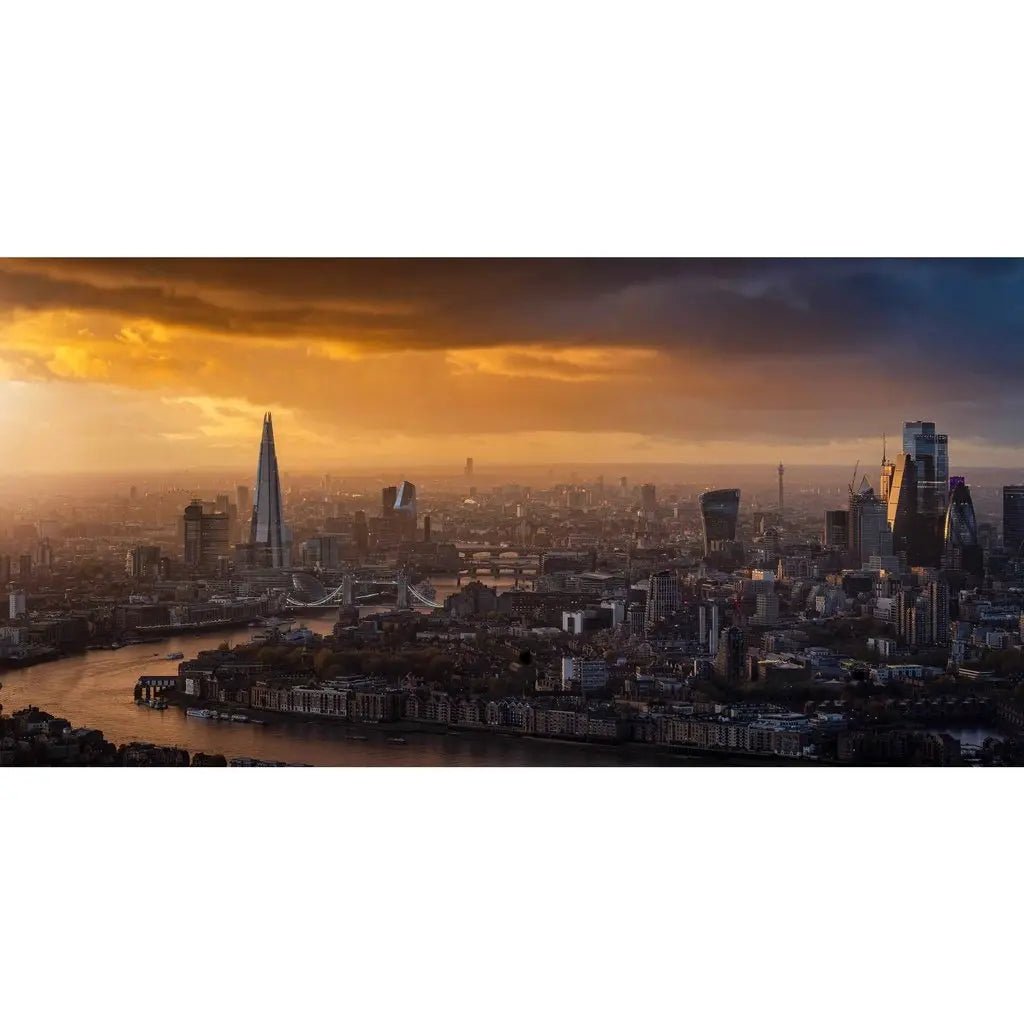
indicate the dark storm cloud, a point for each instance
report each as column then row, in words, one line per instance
column 753, row 307
column 799, row 349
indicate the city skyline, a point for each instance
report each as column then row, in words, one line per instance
column 410, row 363
column 641, row 621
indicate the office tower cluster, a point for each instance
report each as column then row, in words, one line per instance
column 919, row 516
column 210, row 531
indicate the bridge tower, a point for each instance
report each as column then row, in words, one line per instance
column 402, row 600
column 347, row 596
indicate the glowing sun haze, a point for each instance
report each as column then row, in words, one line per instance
column 117, row 364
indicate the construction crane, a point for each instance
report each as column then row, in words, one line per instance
column 853, row 479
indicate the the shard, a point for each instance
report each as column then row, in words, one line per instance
column 268, row 533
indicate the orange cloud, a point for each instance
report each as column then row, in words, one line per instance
column 560, row 363
column 172, row 362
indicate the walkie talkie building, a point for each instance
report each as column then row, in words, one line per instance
column 719, row 512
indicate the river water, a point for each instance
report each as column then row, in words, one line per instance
column 95, row 689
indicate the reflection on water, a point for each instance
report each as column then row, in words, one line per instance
column 95, row 689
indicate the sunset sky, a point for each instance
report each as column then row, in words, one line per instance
column 118, row 364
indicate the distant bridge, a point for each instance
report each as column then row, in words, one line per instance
column 470, row 548
column 496, row 566
column 345, row 595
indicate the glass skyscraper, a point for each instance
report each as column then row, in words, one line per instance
column 962, row 550
column 719, row 512
column 930, row 454
column 902, row 507
column 267, row 532
column 662, row 597
column 405, row 509
column 837, row 528
column 1013, row 521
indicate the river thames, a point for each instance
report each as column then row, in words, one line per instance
column 95, row 689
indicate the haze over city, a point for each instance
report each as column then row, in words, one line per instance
column 371, row 364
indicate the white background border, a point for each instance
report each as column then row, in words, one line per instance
column 391, row 129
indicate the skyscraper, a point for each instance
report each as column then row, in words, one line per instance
column 782, row 503
column 243, row 512
column 405, row 509
column 937, row 597
column 837, row 528
column 142, row 561
column 268, row 533
column 360, row 532
column 874, row 534
column 962, row 551
column 649, row 502
column 207, row 537
column 469, row 467
column 405, row 498
column 729, row 658
column 719, row 511
column 1013, row 520
column 709, row 627
column 868, row 532
column 662, row 596
column 242, row 501
column 929, row 452
column 902, row 508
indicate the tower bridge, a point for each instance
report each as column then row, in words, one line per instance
column 344, row 594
